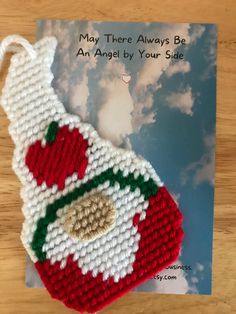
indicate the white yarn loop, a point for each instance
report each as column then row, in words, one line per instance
column 6, row 46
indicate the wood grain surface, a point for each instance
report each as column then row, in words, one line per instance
column 18, row 16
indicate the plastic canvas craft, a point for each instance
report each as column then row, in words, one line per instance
column 98, row 220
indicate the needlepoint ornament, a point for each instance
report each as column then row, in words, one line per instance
column 98, row 219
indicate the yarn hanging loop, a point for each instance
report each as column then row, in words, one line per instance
column 8, row 45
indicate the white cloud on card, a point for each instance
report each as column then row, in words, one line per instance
column 170, row 281
column 176, row 286
column 79, row 97
column 150, row 73
column 114, row 115
column 197, row 31
column 209, row 53
column 72, row 78
column 152, row 69
column 182, row 100
column 133, row 108
column 178, row 67
column 202, row 170
column 199, row 267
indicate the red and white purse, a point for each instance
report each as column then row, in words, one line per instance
column 98, row 220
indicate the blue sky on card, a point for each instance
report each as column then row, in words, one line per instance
column 166, row 113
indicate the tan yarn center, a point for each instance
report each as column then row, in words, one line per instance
column 90, row 218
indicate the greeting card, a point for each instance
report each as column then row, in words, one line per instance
column 150, row 87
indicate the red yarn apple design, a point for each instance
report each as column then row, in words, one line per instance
column 90, row 276
column 63, row 155
column 159, row 246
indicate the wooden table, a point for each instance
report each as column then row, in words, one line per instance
column 17, row 16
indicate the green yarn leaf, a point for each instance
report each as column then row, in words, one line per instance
column 52, row 132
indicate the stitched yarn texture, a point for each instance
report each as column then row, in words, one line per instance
column 90, row 218
column 98, row 219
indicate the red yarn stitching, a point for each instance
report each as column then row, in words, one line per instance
column 136, row 219
column 58, row 160
column 159, row 246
